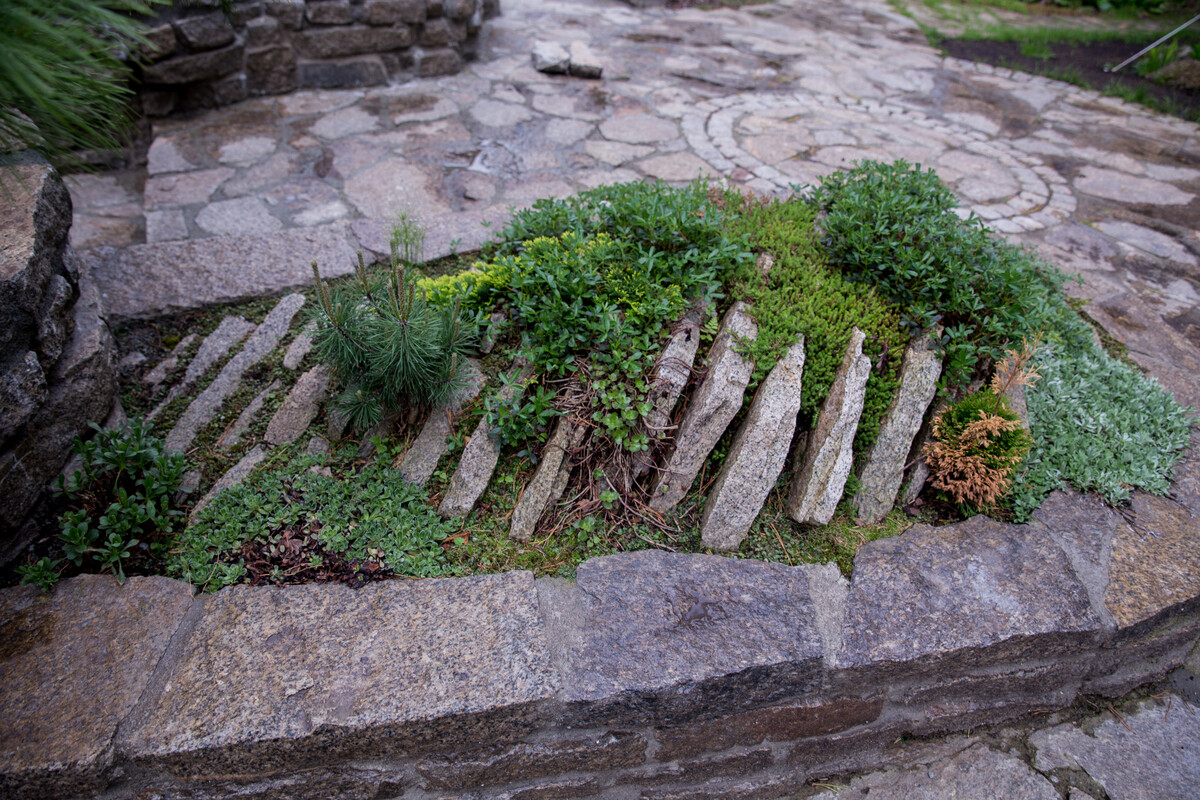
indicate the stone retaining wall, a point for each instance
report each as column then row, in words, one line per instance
column 652, row 675
column 200, row 59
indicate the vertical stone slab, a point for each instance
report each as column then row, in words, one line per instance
column 884, row 472
column 757, row 456
column 825, row 465
column 73, row 664
column 673, row 369
column 300, row 407
column 275, row 679
column 430, row 445
column 478, row 460
column 540, row 489
column 712, row 408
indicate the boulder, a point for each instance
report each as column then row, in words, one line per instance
column 884, row 470
column 712, row 408
column 757, row 456
column 823, row 467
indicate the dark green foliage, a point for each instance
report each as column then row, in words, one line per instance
column 389, row 347
column 802, row 295
column 893, row 226
column 1101, row 426
column 120, row 496
column 42, row 573
column 369, row 515
column 64, row 74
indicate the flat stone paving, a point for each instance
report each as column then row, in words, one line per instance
column 237, row 202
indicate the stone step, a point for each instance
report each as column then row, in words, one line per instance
column 300, row 407
column 541, row 490
column 884, row 470
column 233, row 476
column 163, row 368
column 757, row 456
column 264, row 339
column 825, row 464
column 712, row 408
column 430, row 445
column 479, row 458
column 233, row 433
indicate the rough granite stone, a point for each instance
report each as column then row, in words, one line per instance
column 757, row 455
column 329, row 12
column 389, row 12
column 233, row 476
column 351, row 41
column 317, row 674
column 154, row 279
column 585, row 63
column 884, row 472
column 980, row 586
column 299, row 347
column 204, row 31
column 550, row 57
column 499, row 765
column 672, row 371
column 1149, row 754
column 230, row 332
column 198, row 67
column 300, row 407
column 233, row 434
column 479, row 457
column 1083, row 525
column 264, row 339
column 825, row 463
column 710, row 410
column 73, row 663
column 427, row 449
column 659, row 636
column 978, row 773
column 539, row 493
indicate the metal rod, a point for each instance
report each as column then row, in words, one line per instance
column 1145, row 50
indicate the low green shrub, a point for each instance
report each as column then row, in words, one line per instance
column 893, row 226
column 1157, row 58
column 388, row 346
column 976, row 447
column 802, row 295
column 372, row 518
column 119, row 497
column 1100, row 425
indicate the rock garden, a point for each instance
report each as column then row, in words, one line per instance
column 712, row 482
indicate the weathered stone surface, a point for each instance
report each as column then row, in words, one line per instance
column 1155, row 562
column 676, row 167
column 1083, row 525
column 697, row 631
column 299, row 347
column 826, row 461
column 1125, row 188
column 638, row 129
column 494, row 766
column 165, row 191
column 710, row 411
column 233, row 434
column 438, row 61
column 884, row 472
column 978, row 773
column 271, row 70
column 757, row 455
column 22, row 391
column 325, row 673
column 497, row 114
column 149, row 280
column 205, row 31
column 300, row 408
column 1146, row 755
column 233, row 476
column 338, row 42
column 347, row 72
column 427, row 449
column 264, row 339
column 262, row 31
column 290, row 13
column 160, row 42
column 389, row 12
column 240, row 216
column 585, row 63
column 539, row 492
column 198, row 67
column 774, row 724
column 230, row 332
column 933, row 592
column 329, row 12
column 702, row 770
column 672, row 371
column 550, row 57
column 74, row 662
column 478, row 460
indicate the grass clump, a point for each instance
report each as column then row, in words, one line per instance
column 893, row 227
column 1101, row 426
column 803, row 295
column 353, row 525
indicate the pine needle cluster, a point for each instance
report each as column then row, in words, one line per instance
column 389, row 347
column 976, row 447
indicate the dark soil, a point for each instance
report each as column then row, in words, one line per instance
column 1083, row 64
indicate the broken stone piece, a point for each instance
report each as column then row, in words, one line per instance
column 825, row 465
column 551, row 58
column 537, row 494
column 757, row 456
column 584, row 63
column 430, row 445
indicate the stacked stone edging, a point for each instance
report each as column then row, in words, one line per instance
column 652, row 675
column 199, row 59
